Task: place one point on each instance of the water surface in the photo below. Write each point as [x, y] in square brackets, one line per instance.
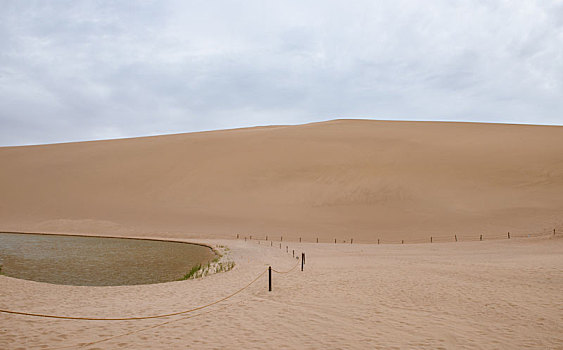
[97, 261]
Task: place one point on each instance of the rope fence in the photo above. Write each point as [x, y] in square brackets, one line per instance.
[146, 317]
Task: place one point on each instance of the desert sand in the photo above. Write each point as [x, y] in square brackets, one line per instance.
[366, 180]
[468, 295]
[341, 179]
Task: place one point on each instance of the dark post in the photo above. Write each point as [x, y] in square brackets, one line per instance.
[335, 241]
[299, 239]
[554, 232]
[302, 260]
[430, 239]
[293, 253]
[269, 279]
[481, 237]
[237, 235]
[317, 239]
[266, 237]
[402, 241]
[351, 240]
[281, 238]
[286, 249]
[271, 243]
[378, 241]
[455, 236]
[251, 237]
[508, 235]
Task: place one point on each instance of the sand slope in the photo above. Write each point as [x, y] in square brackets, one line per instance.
[337, 179]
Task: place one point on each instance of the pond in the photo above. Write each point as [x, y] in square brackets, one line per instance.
[97, 261]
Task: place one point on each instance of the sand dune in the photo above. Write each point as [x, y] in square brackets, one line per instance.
[338, 179]
[368, 180]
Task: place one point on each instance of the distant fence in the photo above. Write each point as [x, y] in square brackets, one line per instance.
[454, 237]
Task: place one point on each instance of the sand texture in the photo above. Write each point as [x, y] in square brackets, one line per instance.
[469, 295]
[340, 179]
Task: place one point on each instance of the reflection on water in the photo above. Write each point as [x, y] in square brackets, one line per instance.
[95, 261]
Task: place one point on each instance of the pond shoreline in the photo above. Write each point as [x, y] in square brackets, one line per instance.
[109, 236]
[100, 260]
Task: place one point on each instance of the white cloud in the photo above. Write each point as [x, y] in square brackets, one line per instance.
[84, 70]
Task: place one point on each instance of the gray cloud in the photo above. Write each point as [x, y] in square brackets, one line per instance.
[90, 70]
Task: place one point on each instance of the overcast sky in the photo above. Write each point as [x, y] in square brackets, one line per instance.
[79, 70]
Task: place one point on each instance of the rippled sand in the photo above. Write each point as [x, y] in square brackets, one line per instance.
[477, 295]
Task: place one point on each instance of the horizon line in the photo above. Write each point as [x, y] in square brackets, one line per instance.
[278, 125]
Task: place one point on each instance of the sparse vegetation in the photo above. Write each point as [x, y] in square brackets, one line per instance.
[221, 263]
[226, 266]
[192, 272]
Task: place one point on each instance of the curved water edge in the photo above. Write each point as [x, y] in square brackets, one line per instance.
[86, 260]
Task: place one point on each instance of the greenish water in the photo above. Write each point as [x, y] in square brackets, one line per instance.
[96, 261]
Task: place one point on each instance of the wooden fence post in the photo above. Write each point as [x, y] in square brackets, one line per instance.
[508, 235]
[455, 236]
[378, 241]
[237, 235]
[481, 237]
[269, 279]
[351, 240]
[317, 239]
[302, 260]
[430, 239]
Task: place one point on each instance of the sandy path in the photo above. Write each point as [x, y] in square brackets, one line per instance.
[485, 295]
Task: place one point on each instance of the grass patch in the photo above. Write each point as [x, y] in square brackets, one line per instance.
[192, 272]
